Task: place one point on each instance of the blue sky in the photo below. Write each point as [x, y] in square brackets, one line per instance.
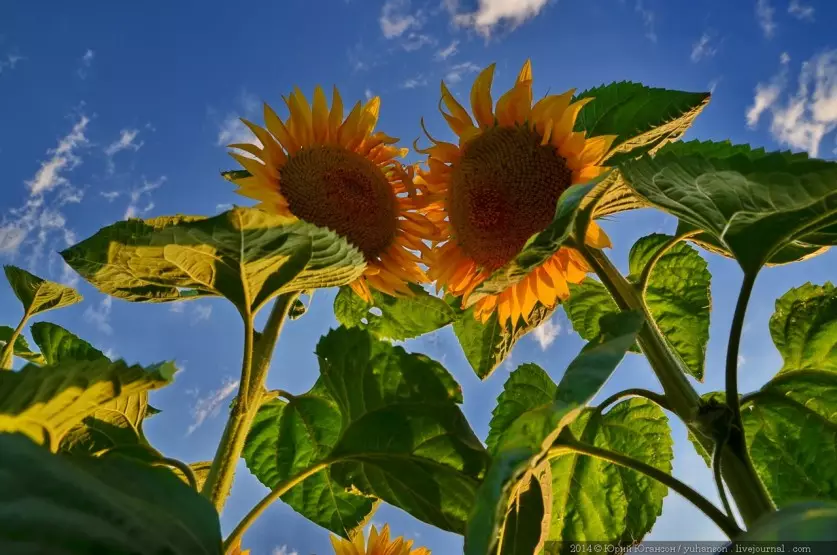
[123, 109]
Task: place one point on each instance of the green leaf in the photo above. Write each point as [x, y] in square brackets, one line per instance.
[588, 302]
[288, 437]
[487, 345]
[245, 255]
[39, 295]
[803, 522]
[678, 296]
[59, 345]
[527, 520]
[389, 317]
[804, 328]
[540, 247]
[46, 402]
[21, 348]
[594, 500]
[752, 203]
[791, 430]
[111, 504]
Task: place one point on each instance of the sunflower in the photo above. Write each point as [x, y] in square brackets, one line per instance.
[500, 186]
[341, 175]
[377, 545]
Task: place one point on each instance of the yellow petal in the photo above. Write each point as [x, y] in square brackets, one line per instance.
[275, 156]
[515, 105]
[567, 122]
[300, 121]
[504, 307]
[587, 174]
[320, 116]
[525, 72]
[595, 148]
[481, 104]
[596, 237]
[348, 129]
[444, 152]
[527, 295]
[456, 109]
[249, 148]
[252, 166]
[369, 117]
[550, 108]
[335, 117]
[571, 148]
[278, 130]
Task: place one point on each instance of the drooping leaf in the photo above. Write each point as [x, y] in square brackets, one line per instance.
[487, 345]
[245, 255]
[39, 295]
[59, 345]
[527, 518]
[288, 437]
[791, 430]
[594, 500]
[678, 296]
[539, 247]
[752, 203]
[812, 522]
[389, 317]
[804, 328]
[21, 347]
[55, 504]
[46, 402]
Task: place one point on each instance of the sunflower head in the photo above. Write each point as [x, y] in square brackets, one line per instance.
[500, 185]
[340, 174]
[378, 544]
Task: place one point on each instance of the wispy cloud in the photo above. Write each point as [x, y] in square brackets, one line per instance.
[85, 63]
[210, 405]
[648, 20]
[284, 550]
[99, 315]
[703, 48]
[801, 11]
[126, 141]
[10, 61]
[455, 73]
[764, 15]
[491, 13]
[547, 333]
[448, 51]
[232, 129]
[140, 202]
[415, 41]
[396, 19]
[64, 158]
[414, 82]
[201, 313]
[110, 196]
[805, 117]
[368, 94]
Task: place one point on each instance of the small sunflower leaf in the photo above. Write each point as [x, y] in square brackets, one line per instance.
[593, 500]
[804, 328]
[588, 302]
[812, 522]
[289, 436]
[753, 204]
[539, 247]
[98, 505]
[487, 345]
[59, 345]
[46, 402]
[245, 255]
[395, 318]
[39, 295]
[531, 412]
[21, 347]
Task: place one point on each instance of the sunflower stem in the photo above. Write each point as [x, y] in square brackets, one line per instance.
[254, 368]
[7, 355]
[742, 481]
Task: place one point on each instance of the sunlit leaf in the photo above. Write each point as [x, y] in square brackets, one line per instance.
[752, 203]
[21, 347]
[527, 517]
[245, 255]
[59, 345]
[811, 522]
[588, 302]
[46, 402]
[389, 317]
[804, 328]
[82, 505]
[39, 295]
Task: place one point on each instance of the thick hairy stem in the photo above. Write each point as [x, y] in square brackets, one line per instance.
[7, 355]
[744, 484]
[656, 398]
[254, 367]
[281, 489]
[724, 522]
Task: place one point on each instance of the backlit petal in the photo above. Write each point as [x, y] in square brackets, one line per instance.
[481, 103]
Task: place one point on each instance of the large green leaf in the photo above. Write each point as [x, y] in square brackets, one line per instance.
[804, 328]
[46, 402]
[527, 519]
[52, 504]
[389, 317]
[528, 419]
[288, 437]
[39, 295]
[814, 523]
[21, 347]
[487, 345]
[588, 302]
[752, 203]
[245, 255]
[791, 430]
[59, 345]
[539, 247]
[594, 500]
[678, 296]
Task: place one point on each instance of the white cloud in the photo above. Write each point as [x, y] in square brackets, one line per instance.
[110, 196]
[447, 51]
[713, 84]
[396, 20]
[702, 48]
[85, 63]
[764, 14]
[806, 117]
[741, 361]
[784, 58]
[99, 315]
[547, 333]
[140, 198]
[232, 130]
[9, 62]
[415, 41]
[201, 313]
[648, 20]
[177, 308]
[414, 82]
[124, 142]
[209, 405]
[456, 72]
[801, 11]
[490, 13]
[368, 94]
[284, 550]
[64, 158]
